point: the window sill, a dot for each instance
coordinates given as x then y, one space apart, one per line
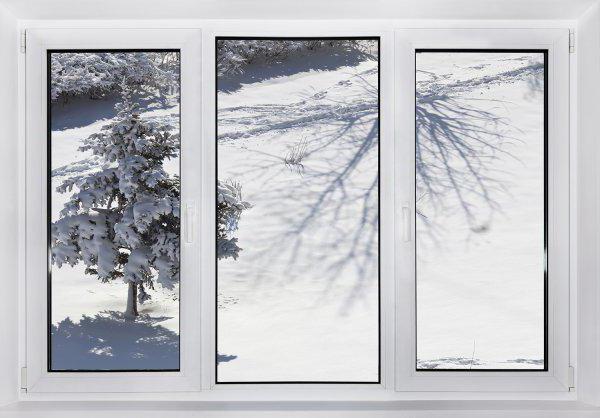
229 408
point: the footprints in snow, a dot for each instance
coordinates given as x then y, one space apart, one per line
322 94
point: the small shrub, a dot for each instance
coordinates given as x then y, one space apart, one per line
296 155
229 209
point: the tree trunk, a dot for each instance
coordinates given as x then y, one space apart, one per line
132 311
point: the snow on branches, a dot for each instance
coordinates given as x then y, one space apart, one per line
122 220
229 209
78 73
233 55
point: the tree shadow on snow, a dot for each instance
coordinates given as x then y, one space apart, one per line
224 358
323 59
109 341
80 111
458 139
351 128
457 142
338 198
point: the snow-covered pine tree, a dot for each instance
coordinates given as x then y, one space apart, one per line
122 221
229 209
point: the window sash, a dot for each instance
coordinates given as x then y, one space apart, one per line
386 207
38 377
556 378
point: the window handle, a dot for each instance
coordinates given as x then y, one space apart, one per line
188 223
406 223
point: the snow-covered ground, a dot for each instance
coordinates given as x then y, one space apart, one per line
301 301
480 191
90 331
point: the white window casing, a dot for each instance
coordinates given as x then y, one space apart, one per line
399 379
188 41
556 41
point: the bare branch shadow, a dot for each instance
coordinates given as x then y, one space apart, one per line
337 196
458 139
345 184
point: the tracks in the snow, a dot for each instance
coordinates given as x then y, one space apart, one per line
256 120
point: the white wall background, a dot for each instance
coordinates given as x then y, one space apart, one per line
8 207
306 9
588 183
588 44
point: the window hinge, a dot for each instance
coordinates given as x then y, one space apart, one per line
571 378
24 379
571 41
23 41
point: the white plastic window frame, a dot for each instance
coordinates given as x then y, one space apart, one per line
556 41
386 187
396 190
39 41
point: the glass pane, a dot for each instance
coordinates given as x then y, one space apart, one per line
298 224
113 198
481 215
